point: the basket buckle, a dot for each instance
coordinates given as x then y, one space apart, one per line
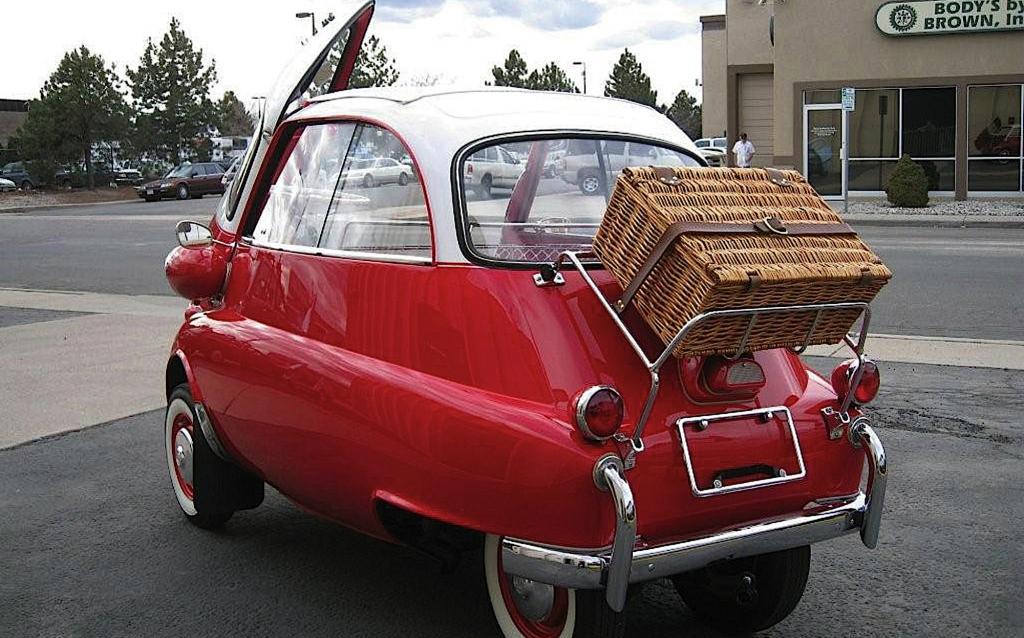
775 225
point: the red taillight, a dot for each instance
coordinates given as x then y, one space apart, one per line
868 385
599 412
733 376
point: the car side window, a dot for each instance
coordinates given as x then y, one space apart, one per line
390 221
614 147
300 196
322 198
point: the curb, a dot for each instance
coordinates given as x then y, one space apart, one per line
27 209
947 222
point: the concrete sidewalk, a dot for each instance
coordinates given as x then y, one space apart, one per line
69 360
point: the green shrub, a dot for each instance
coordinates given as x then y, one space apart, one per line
908 186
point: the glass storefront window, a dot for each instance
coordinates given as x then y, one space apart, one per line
823 96
941 174
874 124
993 175
929 122
993 121
870 175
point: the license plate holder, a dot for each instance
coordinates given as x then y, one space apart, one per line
768 418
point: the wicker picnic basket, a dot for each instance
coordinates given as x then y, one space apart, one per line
684 241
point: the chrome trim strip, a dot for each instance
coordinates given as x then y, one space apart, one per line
749 485
351 254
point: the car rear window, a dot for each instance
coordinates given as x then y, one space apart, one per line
551 194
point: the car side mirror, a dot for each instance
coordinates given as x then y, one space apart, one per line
193 234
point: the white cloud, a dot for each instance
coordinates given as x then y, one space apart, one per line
457 40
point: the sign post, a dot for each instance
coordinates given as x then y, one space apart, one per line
849 103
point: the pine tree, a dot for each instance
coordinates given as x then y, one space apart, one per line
232 118
551 78
373 66
171 90
513 72
629 82
80 104
686 114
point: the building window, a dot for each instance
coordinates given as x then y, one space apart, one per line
994 116
875 125
888 123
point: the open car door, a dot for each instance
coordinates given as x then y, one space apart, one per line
324 65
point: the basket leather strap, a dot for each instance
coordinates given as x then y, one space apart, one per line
767 226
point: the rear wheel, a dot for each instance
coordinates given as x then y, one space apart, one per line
528 609
747 594
590 183
208 489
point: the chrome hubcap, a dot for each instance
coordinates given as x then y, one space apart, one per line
534 600
183 455
591 184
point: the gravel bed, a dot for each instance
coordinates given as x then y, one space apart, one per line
945 207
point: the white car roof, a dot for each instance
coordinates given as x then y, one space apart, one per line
437 122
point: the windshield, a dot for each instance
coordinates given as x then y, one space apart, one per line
180 171
550 200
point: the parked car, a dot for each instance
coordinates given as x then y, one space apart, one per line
185 181
714 149
581 166
416 368
378 171
490 168
7 185
18 173
229 174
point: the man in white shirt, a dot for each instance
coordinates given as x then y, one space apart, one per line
744 151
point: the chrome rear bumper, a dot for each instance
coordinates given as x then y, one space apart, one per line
617 567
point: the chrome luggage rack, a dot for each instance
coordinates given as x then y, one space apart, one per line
550 275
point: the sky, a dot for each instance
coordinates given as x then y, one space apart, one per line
454 41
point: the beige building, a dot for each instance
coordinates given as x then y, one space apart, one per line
939 80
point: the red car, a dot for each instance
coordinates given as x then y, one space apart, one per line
184 182
445 370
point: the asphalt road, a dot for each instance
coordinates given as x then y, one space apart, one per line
91 543
949 282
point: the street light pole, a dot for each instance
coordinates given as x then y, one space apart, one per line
308 14
584 65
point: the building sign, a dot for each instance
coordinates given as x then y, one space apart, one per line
931 17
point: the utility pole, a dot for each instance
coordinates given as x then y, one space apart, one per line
584 65
308 14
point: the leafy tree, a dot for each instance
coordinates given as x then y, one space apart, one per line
686 114
629 82
373 66
513 72
551 78
232 118
171 89
79 105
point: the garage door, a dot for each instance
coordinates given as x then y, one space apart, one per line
755 116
